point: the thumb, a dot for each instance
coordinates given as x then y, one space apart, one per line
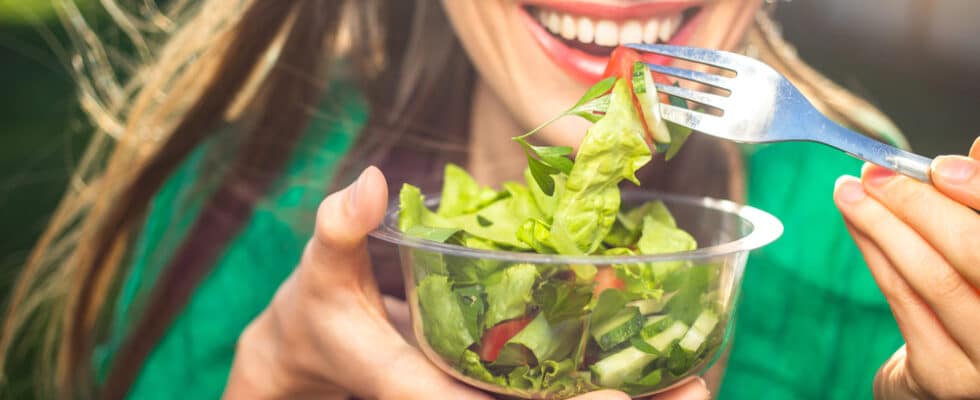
338 247
366 354
893 381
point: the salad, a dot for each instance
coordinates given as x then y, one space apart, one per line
557 330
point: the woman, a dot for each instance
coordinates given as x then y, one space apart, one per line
194 207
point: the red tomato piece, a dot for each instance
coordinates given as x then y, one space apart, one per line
621 63
495 338
606 278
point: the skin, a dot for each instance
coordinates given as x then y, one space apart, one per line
328 333
922 244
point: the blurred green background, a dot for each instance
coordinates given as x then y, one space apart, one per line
916 59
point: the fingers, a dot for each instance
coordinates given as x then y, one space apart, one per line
400 318
695 389
346 217
927 273
959 178
951 228
409 375
337 253
918 324
893 381
603 395
975 149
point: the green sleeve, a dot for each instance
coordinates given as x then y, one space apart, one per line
193 358
812 323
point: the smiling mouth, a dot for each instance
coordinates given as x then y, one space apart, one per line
580 36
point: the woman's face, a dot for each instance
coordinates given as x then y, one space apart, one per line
539 56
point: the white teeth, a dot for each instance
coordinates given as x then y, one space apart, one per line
586 30
651 31
568 27
668 26
554 22
606 33
631 32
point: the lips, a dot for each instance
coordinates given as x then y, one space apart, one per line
579 36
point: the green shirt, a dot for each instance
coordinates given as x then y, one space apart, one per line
811 323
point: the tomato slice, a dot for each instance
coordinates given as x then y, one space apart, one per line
495 338
620 65
606 278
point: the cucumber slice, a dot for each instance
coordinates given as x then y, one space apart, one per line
656 324
618 329
624 365
691 341
700 329
646 93
705 323
663 340
627 364
652 306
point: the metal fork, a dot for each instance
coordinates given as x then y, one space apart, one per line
764 107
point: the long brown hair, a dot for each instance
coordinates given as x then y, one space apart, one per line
258 66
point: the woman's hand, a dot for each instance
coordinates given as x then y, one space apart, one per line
922 244
329 334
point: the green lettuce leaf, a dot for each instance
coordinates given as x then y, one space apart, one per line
413 212
442 319
461 194
633 219
473 305
645 383
638 277
646 280
628 226
526 378
546 202
620 237
466 270
560 299
500 221
472 367
425 262
554 379
544 340
609 303
612 150
660 238
536 234
691 284
429 233
543 162
509 293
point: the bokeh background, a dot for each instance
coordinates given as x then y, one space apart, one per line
915 59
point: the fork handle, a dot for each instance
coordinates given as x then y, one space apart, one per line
873 151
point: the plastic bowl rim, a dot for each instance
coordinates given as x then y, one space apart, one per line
766 228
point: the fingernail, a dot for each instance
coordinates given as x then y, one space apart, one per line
849 189
954 169
355 187
877 176
704 385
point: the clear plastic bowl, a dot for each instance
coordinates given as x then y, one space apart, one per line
661 356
